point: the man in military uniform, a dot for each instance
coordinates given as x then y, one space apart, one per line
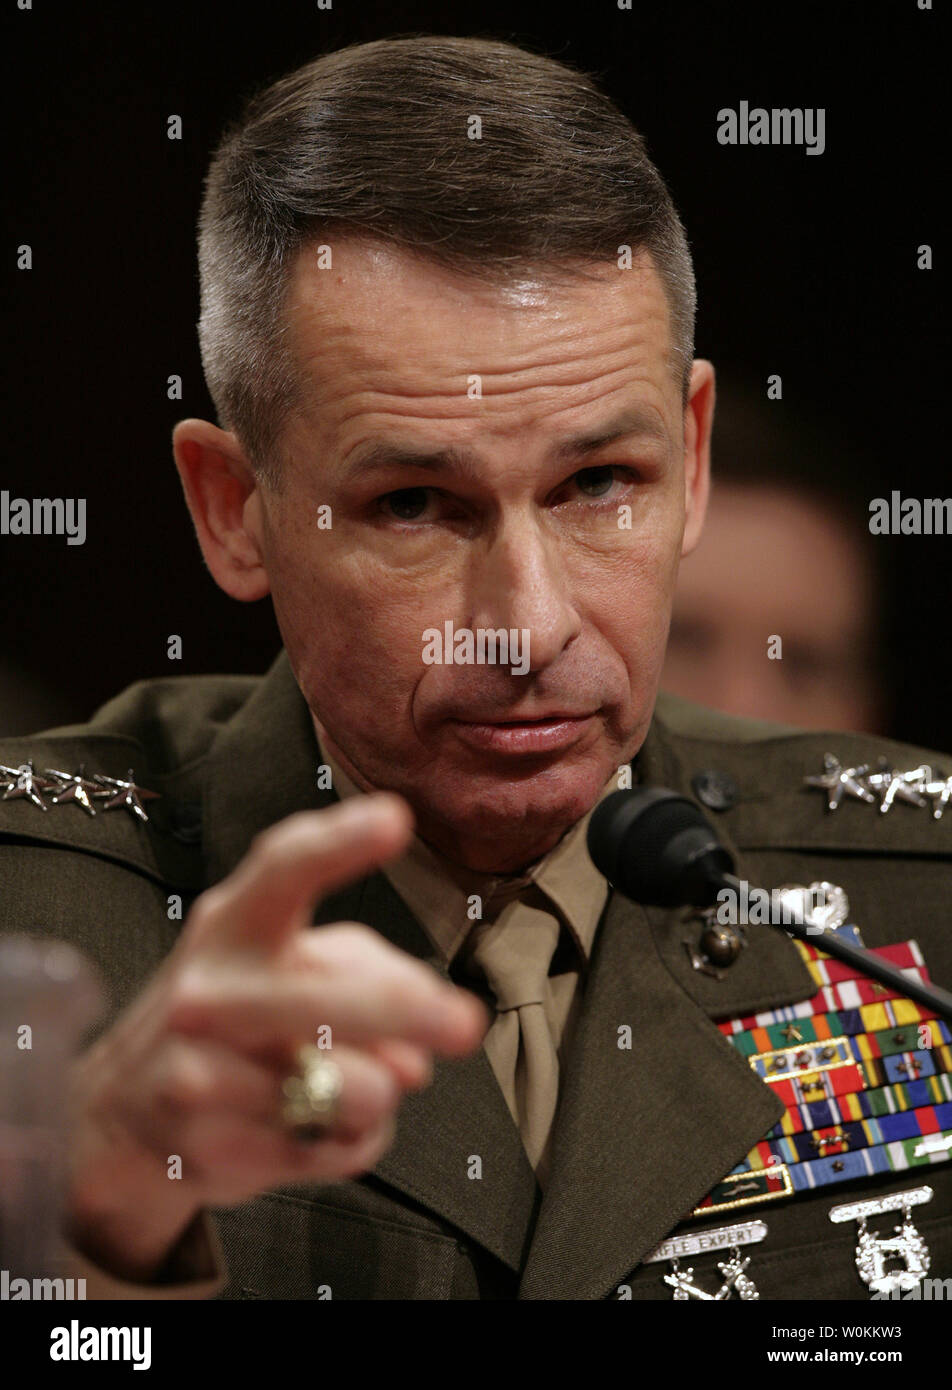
449 413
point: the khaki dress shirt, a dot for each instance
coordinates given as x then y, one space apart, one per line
440 893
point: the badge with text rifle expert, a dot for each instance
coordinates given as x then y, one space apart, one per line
733 1271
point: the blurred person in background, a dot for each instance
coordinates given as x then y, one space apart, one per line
778 612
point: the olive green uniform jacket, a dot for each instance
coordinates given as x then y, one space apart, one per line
642 1134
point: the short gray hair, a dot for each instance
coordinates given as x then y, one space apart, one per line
371 140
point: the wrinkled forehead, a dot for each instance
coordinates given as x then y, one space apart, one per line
364 315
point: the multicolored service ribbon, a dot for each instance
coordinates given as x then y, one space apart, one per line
865 1075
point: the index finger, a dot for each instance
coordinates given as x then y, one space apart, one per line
304 857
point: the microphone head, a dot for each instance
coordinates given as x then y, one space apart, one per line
657 848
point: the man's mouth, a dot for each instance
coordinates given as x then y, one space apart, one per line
540 734
528 717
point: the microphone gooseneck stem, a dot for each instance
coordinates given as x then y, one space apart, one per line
933 996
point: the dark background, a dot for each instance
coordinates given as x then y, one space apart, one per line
806 267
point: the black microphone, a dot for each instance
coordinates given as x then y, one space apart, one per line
659 848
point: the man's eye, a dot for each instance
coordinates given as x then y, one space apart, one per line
597 482
408 504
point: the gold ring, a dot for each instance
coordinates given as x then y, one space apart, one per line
311 1095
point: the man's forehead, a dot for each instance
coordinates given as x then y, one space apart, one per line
390 309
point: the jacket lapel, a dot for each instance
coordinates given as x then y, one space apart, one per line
261 768
769 972
456 1149
646 1126
646 1129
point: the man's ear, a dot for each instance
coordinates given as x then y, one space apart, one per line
222 495
698 422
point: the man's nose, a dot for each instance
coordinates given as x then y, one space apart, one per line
521 582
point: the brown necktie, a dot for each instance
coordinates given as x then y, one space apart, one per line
514 953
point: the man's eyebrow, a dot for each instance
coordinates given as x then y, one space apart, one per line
631 423
381 455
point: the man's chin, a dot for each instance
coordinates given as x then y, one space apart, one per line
496 822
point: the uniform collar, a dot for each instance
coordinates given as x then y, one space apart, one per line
441 893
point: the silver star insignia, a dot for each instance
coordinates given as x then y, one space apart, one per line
22 781
898 786
124 792
837 781
74 788
939 791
